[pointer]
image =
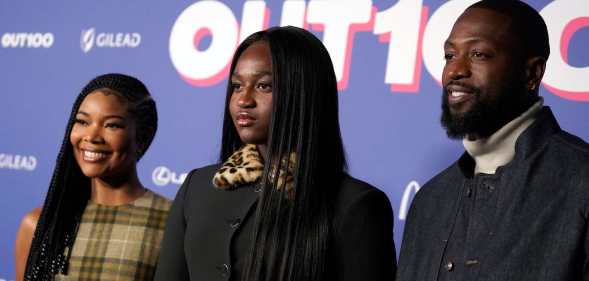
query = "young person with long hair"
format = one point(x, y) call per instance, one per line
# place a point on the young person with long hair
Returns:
point(98, 222)
point(280, 206)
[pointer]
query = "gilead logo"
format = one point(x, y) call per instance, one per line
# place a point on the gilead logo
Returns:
point(27, 40)
point(414, 35)
point(17, 162)
point(89, 39)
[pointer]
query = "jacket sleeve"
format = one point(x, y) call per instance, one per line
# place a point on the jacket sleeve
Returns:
point(365, 248)
point(172, 260)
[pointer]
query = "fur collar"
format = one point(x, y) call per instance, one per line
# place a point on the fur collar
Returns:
point(246, 166)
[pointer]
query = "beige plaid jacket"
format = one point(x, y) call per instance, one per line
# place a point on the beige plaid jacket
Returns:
point(119, 242)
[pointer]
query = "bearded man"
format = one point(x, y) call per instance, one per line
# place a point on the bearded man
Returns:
point(515, 206)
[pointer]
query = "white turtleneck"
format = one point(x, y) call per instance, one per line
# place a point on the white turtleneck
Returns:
point(499, 148)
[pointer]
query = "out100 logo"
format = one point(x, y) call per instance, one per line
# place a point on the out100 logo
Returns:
point(413, 34)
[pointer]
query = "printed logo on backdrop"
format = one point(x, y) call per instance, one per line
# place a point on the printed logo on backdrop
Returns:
point(413, 32)
point(18, 162)
point(1, 279)
point(410, 190)
point(27, 40)
point(162, 176)
point(90, 39)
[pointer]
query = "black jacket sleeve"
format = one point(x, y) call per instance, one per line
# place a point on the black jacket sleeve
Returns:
point(172, 260)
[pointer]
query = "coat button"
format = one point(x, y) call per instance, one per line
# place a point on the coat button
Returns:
point(224, 269)
point(449, 266)
point(468, 192)
point(471, 262)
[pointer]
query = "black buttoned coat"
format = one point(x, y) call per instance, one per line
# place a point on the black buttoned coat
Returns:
point(208, 232)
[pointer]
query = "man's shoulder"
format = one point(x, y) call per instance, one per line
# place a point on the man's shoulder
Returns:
point(566, 156)
point(440, 186)
point(564, 152)
point(566, 143)
point(447, 176)
point(436, 200)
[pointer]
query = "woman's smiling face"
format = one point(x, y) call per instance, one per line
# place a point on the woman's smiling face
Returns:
point(103, 136)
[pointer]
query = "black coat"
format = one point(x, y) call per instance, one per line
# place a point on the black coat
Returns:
point(208, 232)
point(533, 224)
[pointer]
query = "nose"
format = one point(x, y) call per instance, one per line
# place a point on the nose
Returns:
point(93, 134)
point(246, 99)
point(457, 69)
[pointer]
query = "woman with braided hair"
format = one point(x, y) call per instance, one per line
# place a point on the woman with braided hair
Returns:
point(279, 206)
point(98, 222)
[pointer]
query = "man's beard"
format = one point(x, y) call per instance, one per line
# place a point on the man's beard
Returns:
point(486, 116)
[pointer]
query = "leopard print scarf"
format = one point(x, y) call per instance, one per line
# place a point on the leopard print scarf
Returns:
point(246, 166)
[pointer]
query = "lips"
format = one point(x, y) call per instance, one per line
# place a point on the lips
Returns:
point(457, 97)
point(94, 156)
point(458, 93)
point(244, 119)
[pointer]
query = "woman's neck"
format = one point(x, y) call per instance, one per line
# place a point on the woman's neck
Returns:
point(262, 150)
point(115, 191)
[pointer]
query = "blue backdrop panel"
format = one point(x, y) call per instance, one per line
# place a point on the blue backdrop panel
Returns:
point(388, 58)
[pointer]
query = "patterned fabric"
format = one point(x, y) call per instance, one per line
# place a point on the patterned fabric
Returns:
point(119, 242)
point(243, 166)
point(246, 166)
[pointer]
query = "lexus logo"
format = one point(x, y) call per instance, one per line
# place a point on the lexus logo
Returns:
point(163, 176)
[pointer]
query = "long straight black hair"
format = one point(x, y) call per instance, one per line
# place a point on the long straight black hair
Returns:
point(291, 238)
point(69, 189)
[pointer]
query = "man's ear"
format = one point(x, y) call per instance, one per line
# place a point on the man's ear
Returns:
point(535, 67)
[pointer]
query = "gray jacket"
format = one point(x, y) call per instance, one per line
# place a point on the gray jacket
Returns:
point(531, 225)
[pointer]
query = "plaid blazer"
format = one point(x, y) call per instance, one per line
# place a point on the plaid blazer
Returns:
point(119, 242)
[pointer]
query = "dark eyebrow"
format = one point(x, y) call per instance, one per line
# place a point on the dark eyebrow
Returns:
point(258, 73)
point(264, 73)
point(115, 116)
point(470, 40)
point(105, 117)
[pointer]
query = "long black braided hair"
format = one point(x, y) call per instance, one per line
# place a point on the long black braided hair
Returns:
point(69, 189)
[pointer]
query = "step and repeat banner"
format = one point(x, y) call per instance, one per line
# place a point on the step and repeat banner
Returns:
point(387, 55)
